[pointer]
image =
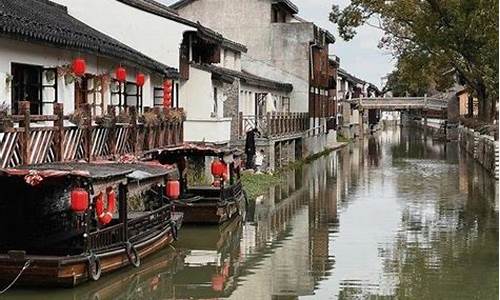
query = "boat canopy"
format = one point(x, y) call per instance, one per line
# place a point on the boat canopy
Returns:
point(92, 171)
point(196, 150)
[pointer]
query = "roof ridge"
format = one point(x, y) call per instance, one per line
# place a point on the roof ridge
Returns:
point(45, 22)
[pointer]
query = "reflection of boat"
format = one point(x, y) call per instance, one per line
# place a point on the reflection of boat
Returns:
point(212, 262)
point(215, 203)
point(171, 274)
point(66, 223)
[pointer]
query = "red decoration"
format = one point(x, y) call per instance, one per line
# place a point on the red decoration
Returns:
point(172, 189)
point(121, 74)
point(139, 79)
point(79, 200)
point(218, 168)
point(218, 283)
point(79, 67)
point(167, 93)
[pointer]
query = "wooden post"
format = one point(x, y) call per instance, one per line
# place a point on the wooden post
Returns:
point(113, 136)
point(59, 134)
point(87, 131)
point(158, 137)
point(122, 200)
point(240, 124)
point(24, 110)
point(134, 140)
point(269, 131)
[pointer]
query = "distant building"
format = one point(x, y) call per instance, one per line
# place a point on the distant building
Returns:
point(281, 46)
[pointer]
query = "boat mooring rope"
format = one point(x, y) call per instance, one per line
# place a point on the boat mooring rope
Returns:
point(26, 265)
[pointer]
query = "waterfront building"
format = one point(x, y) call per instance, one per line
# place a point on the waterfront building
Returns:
point(41, 45)
point(284, 48)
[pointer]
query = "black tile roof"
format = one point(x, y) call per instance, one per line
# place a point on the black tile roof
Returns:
point(158, 9)
point(205, 32)
point(247, 78)
point(48, 23)
point(289, 5)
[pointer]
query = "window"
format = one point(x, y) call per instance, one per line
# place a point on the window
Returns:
point(89, 90)
point(133, 95)
point(285, 104)
point(35, 84)
point(274, 15)
point(126, 94)
point(215, 108)
point(158, 96)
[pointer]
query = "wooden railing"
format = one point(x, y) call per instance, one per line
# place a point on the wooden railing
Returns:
point(144, 225)
point(108, 237)
point(274, 124)
point(30, 139)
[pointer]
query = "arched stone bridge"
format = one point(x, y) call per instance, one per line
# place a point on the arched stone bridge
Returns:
point(401, 103)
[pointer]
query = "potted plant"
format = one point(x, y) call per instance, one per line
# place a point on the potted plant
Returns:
point(106, 121)
point(123, 117)
point(77, 117)
point(149, 119)
point(5, 118)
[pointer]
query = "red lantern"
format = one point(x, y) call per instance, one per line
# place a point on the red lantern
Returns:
point(139, 79)
point(167, 93)
point(218, 283)
point(218, 168)
point(79, 200)
point(172, 189)
point(121, 74)
point(79, 67)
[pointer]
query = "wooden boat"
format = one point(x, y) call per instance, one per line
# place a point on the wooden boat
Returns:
point(59, 227)
point(213, 203)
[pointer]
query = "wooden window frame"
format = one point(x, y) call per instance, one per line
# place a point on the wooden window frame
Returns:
point(40, 87)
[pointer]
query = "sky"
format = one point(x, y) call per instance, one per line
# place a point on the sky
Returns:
point(360, 56)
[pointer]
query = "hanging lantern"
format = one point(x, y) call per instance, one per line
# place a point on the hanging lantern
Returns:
point(167, 93)
point(121, 74)
point(79, 67)
point(139, 79)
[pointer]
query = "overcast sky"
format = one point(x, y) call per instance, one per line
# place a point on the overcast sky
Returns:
point(360, 56)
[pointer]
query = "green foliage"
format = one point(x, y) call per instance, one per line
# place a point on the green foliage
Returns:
point(258, 184)
point(429, 37)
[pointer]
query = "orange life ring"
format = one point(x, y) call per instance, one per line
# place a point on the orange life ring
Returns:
point(105, 215)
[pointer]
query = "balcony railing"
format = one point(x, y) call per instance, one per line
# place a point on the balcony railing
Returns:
point(33, 139)
point(274, 124)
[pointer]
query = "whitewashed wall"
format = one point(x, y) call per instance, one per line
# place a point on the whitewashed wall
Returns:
point(247, 99)
point(299, 97)
point(197, 98)
point(155, 36)
point(12, 51)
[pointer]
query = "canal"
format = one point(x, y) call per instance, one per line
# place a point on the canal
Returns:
point(397, 216)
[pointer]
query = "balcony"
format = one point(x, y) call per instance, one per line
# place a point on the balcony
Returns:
point(274, 125)
point(34, 139)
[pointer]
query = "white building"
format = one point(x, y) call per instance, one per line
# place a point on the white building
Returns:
point(36, 56)
point(210, 100)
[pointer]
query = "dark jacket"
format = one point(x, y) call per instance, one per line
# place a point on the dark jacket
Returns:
point(250, 142)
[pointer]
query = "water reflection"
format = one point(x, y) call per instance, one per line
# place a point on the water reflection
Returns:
point(397, 216)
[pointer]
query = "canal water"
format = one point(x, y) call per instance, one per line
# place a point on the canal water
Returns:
point(397, 216)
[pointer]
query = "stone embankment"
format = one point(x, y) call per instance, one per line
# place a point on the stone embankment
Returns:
point(483, 148)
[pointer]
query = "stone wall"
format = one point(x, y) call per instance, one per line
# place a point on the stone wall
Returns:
point(232, 92)
point(483, 148)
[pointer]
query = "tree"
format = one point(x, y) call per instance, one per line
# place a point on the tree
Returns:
point(430, 36)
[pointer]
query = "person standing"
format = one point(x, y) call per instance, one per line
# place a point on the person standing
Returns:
point(250, 148)
point(259, 161)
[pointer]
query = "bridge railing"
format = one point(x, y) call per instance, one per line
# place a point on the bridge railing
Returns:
point(401, 102)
